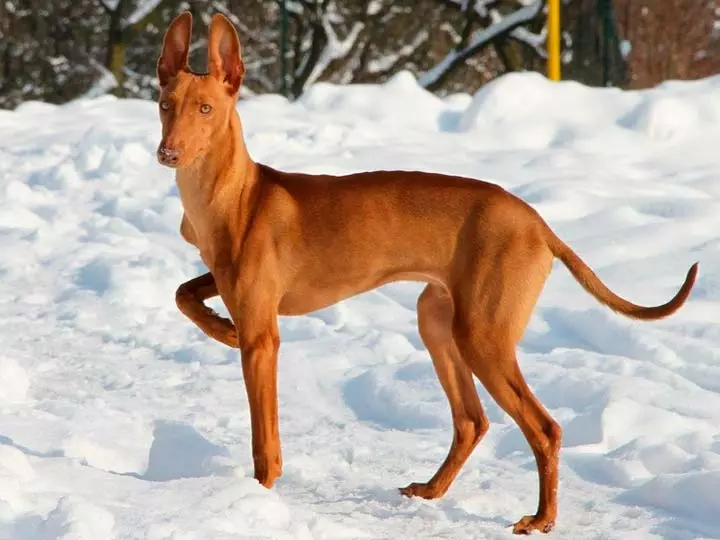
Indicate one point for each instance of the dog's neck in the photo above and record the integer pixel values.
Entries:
(215, 188)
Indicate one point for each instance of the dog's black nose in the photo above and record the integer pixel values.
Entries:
(167, 155)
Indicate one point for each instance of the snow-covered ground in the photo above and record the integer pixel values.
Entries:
(120, 420)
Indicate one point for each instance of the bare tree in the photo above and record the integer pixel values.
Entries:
(670, 39)
(45, 53)
(125, 18)
(61, 49)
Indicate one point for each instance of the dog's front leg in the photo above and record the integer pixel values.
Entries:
(190, 298)
(259, 365)
(252, 300)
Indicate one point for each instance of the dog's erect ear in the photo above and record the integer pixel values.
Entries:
(176, 47)
(224, 59)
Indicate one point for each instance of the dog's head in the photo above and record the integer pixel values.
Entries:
(194, 107)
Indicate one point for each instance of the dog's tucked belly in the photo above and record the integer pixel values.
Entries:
(305, 298)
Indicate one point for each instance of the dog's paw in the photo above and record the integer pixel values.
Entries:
(424, 491)
(528, 524)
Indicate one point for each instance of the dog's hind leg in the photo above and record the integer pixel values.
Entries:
(498, 370)
(435, 319)
(493, 306)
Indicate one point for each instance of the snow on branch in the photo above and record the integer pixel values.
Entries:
(334, 48)
(531, 39)
(485, 8)
(374, 7)
(535, 41)
(386, 63)
(480, 6)
(142, 10)
(245, 30)
(109, 5)
(294, 7)
(480, 39)
(105, 82)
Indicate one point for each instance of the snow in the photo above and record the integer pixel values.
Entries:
(142, 10)
(374, 7)
(14, 379)
(120, 420)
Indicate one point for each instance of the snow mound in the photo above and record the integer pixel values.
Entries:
(398, 101)
(179, 451)
(120, 420)
(527, 110)
(14, 381)
(693, 495)
(527, 99)
(506, 99)
(75, 519)
(14, 463)
(395, 398)
(665, 117)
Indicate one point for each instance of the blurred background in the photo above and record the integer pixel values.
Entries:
(59, 50)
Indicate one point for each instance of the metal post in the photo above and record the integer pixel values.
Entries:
(283, 47)
(606, 15)
(553, 40)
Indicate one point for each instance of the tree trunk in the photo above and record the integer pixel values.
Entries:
(509, 54)
(115, 56)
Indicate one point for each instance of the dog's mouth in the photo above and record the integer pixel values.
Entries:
(169, 165)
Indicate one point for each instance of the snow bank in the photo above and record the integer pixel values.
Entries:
(692, 496)
(74, 519)
(14, 381)
(119, 419)
(399, 101)
(541, 113)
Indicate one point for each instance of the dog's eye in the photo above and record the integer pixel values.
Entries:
(205, 108)
(165, 105)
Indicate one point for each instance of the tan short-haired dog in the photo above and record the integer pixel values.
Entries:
(280, 243)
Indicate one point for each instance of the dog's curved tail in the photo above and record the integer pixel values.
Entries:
(592, 284)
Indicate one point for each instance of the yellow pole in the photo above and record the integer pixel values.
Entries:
(553, 40)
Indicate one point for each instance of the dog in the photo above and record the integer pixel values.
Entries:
(281, 243)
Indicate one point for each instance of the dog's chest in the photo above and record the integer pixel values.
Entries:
(201, 216)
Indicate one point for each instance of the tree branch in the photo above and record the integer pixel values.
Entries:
(432, 78)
